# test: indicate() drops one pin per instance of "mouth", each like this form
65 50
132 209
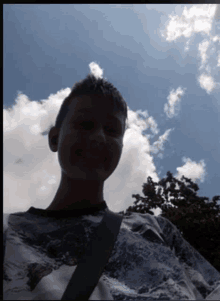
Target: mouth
89 156
95 158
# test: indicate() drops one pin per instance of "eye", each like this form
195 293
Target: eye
90 125
110 129
87 124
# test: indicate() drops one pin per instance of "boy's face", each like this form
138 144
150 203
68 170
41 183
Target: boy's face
90 140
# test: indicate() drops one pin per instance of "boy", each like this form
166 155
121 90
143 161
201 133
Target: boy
89 142
150 258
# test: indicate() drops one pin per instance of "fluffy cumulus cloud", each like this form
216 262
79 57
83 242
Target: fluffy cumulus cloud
96 70
202 20
32 172
191 169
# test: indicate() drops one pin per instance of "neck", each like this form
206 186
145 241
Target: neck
73 194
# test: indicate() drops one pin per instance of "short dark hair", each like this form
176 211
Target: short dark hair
92 85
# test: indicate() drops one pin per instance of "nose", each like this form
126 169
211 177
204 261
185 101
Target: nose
97 139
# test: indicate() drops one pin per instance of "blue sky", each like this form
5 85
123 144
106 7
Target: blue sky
164 59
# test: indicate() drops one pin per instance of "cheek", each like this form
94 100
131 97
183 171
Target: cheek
115 155
71 142
66 150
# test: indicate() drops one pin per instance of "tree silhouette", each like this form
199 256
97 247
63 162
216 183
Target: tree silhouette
197 218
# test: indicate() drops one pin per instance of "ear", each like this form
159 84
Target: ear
53 139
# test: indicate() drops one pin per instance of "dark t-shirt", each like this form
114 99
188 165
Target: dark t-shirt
150 259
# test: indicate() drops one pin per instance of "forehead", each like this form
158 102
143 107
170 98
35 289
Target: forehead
94 105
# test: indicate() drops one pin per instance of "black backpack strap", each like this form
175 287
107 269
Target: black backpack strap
89 270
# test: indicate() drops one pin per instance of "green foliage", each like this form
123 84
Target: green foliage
197 218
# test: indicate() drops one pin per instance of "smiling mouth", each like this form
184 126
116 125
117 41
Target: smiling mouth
89 156
96 158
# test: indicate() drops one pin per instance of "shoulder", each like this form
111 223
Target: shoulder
5 227
161 225
5 221
166 225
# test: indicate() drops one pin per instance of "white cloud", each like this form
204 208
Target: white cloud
207 82
173 100
203 46
198 19
153 125
159 144
96 70
148 123
206 50
191 169
218 60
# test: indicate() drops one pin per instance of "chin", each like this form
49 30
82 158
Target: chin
98 175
